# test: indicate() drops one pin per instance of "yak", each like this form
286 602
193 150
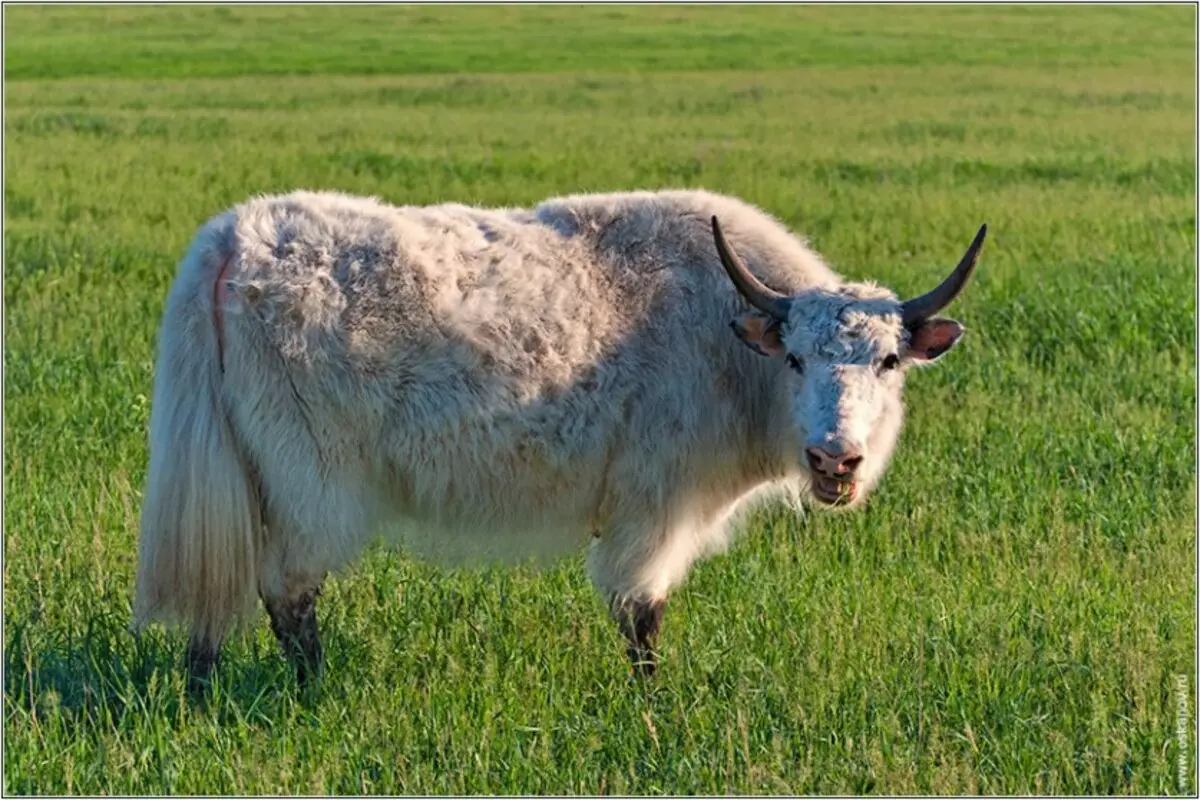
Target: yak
622 372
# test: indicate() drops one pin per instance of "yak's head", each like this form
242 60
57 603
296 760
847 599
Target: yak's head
847 350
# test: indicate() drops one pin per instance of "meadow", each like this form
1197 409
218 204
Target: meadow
1013 612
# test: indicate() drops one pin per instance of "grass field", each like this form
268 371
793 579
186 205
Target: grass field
1012 612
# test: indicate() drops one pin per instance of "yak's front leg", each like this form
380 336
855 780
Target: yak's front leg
294 621
640 621
634 569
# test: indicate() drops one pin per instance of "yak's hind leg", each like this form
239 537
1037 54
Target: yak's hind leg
289 592
202 655
296 562
294 620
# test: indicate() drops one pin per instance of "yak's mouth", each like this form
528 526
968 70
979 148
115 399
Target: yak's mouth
834 492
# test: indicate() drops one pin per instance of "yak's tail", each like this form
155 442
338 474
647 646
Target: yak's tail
201 533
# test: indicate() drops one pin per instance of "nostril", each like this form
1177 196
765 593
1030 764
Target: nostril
814 457
850 464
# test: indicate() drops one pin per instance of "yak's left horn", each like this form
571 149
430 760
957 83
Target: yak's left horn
760 296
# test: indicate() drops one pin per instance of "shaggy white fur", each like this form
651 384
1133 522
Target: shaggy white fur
488 383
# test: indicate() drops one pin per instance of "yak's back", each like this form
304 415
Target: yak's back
671 232
421 292
539 293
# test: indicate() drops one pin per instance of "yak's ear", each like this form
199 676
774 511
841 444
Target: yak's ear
933 338
760 333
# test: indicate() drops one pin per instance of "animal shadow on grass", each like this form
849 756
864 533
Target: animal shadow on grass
99 673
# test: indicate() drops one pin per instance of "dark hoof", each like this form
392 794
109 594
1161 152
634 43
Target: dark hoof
640 621
645 665
295 626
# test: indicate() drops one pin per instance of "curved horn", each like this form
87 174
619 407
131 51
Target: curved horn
928 304
766 300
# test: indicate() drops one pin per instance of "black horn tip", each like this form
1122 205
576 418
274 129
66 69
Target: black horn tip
972 254
977 245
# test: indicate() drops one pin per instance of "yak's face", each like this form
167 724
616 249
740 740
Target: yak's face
846 351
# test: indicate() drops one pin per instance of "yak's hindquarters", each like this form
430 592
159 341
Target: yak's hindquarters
200 533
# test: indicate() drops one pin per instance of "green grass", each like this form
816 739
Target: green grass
1009 614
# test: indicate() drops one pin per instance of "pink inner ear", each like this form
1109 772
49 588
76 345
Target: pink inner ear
934 338
761 333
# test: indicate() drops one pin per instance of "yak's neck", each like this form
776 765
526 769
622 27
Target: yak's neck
769 441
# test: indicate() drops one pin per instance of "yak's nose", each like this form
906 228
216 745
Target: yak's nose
834 461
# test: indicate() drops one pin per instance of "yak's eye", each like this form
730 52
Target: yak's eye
890 361
795 363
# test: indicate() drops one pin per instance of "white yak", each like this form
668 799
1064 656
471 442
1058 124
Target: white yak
502 383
